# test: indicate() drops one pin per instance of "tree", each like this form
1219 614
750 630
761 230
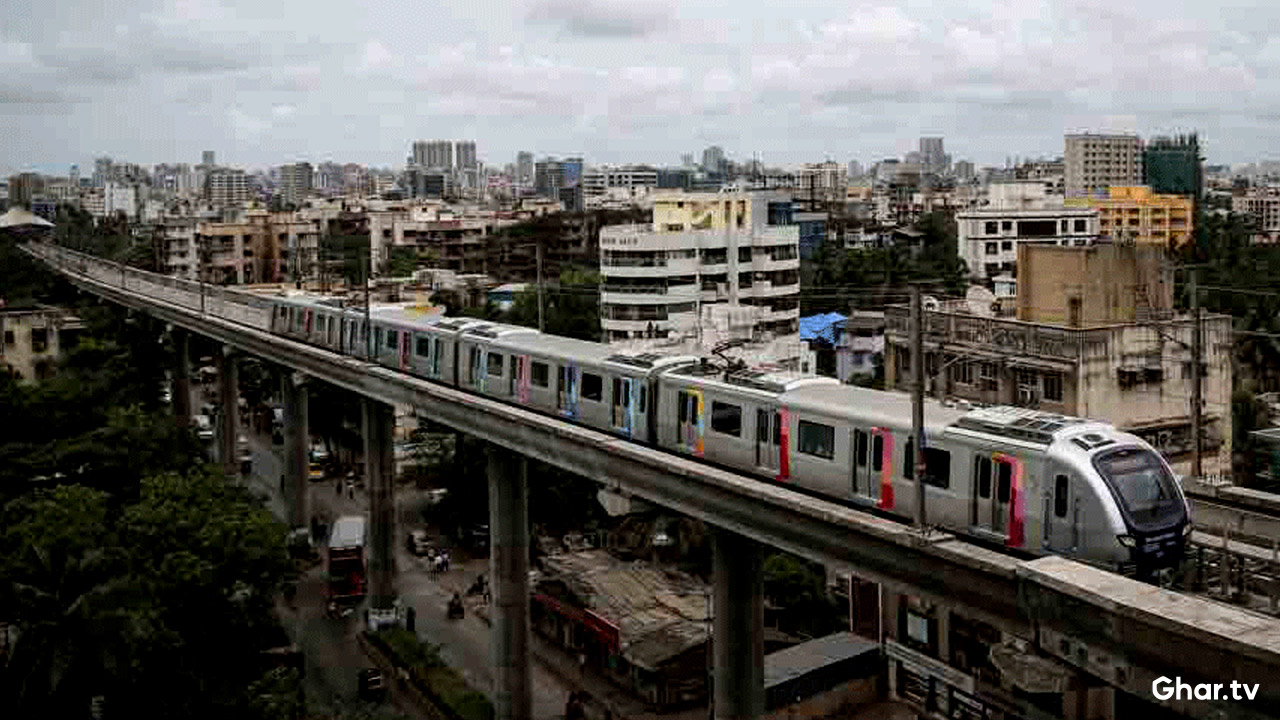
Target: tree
571 307
799 590
401 263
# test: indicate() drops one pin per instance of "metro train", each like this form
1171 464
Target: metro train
1030 481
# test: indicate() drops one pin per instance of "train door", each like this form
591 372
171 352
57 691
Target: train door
689 426
1061 514
768 439
405 339
981 496
620 407
520 378
865 449
567 390
993 488
437 358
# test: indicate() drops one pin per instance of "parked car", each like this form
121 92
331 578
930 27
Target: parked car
316 472
204 427
418 542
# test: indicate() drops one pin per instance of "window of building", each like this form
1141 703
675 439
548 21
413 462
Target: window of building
539 374
993 248
817 439
592 387
1080 226
744 255
495 364
992 228
726 418
1006 245
1006 225
1053 387
39 340
8 337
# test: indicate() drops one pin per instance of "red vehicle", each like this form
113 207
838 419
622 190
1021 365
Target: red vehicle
345 563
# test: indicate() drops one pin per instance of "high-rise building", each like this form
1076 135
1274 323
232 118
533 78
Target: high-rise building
295 182
465 154
736 249
1173 166
524 168
932 158
439 154
228 186
207 159
964 171
1096 162
686 160
103 171
74 176
855 169
548 177
713 160
419 156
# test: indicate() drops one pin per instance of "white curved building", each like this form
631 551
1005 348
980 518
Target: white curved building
737 249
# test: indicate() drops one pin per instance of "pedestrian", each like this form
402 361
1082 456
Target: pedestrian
351 490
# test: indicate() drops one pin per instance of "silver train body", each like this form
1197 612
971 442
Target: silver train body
1027 480
1030 481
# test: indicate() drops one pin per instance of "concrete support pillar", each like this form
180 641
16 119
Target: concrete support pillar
297 444
738 643
509 570
182 376
229 401
379 464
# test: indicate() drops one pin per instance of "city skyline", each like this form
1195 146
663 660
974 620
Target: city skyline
616 82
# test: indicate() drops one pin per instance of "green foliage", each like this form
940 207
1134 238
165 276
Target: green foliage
799 590
160 606
843 278
443 684
1247 414
571 307
402 262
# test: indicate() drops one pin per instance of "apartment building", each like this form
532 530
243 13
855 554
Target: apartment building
600 179
228 186
34 339
988 238
1137 214
735 249
295 182
1263 204
1096 336
258 247
1093 163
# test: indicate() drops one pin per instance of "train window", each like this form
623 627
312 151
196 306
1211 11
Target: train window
982 473
937 468
392 337
437 356
540 374
817 440
422 347
495 364
620 397
682 407
726 418
377 337
592 387
860 444
1005 471
644 393
877 448
909 458
1060 496
473 366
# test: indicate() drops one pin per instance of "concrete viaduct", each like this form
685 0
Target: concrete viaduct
1115 630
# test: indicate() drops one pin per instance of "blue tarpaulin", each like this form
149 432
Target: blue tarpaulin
821 327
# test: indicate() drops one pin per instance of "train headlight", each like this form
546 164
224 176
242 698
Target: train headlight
1126 540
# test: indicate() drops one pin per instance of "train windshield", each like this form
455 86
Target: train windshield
1146 489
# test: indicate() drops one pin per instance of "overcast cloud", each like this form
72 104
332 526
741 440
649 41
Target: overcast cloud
263 83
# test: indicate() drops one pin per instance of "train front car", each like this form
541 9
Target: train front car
1141 519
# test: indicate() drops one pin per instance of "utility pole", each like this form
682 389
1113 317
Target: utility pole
368 329
917 399
539 270
1197 350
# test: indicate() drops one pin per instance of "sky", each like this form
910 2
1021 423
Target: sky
265 83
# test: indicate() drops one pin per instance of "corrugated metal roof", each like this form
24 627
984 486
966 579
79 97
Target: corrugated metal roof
798 660
659 614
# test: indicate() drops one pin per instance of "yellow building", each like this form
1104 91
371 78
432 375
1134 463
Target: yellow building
1134 212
